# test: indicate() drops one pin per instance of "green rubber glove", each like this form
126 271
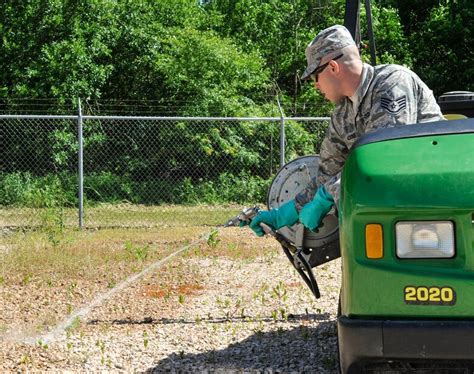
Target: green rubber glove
286 215
312 214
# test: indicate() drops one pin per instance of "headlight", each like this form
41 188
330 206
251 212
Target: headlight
431 239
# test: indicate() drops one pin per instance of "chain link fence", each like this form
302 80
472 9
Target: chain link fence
104 171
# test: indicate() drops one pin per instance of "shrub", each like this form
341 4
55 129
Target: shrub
24 189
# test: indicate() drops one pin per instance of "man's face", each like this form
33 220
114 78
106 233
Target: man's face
328 83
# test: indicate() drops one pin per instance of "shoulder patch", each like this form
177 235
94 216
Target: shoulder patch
394 106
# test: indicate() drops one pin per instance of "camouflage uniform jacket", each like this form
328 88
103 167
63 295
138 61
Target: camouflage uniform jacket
387 96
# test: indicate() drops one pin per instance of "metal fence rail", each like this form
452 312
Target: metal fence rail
91 171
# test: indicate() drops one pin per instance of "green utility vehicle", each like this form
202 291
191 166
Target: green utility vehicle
404 228
405 231
406 224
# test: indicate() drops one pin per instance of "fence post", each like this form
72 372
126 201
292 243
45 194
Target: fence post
80 166
282 135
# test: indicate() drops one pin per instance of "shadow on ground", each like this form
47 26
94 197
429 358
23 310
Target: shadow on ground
301 349
324 317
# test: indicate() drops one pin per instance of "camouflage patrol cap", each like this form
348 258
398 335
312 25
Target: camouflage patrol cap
328 42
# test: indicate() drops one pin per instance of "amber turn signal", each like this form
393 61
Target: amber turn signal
374 241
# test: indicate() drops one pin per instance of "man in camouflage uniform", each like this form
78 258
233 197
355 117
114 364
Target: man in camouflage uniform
366 98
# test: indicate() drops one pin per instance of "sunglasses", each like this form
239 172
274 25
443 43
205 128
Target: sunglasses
319 69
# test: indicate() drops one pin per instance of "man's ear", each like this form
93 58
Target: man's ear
334 66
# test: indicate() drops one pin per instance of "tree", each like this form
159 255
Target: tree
445 57
54 48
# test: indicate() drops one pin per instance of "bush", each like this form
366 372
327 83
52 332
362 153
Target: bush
24 189
108 187
242 188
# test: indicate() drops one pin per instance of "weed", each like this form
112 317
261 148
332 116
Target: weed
76 322
259 328
181 298
25 359
101 344
228 309
42 344
136 252
213 240
279 292
232 248
305 333
145 339
274 315
69 308
329 363
52 222
26 279
71 288
106 361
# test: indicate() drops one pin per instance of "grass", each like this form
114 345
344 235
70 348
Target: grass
33 256
125 215
131 237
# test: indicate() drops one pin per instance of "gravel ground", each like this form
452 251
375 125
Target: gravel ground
223 315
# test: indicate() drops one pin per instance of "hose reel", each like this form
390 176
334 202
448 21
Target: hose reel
291 179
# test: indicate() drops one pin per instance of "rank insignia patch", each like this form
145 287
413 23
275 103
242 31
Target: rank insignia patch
394 106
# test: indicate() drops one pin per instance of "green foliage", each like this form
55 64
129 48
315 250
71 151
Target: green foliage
213 239
225 58
126 50
448 64
228 188
440 36
52 224
280 30
108 187
137 252
196 64
24 189
391 43
60 48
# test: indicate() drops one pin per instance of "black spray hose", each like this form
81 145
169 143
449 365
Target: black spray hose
308 278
